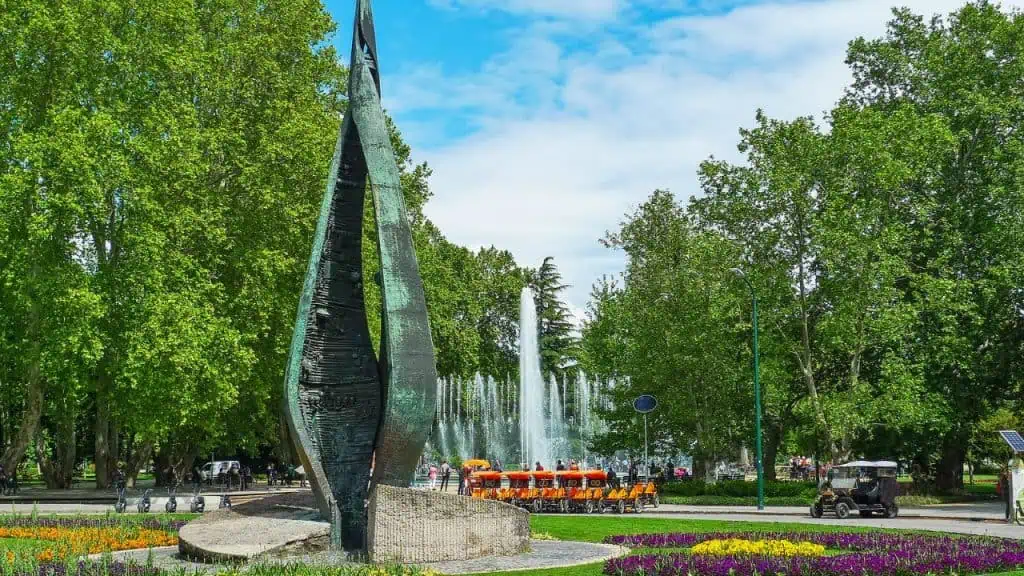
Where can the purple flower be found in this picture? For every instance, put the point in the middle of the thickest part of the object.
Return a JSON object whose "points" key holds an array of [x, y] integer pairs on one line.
{"points": [[881, 554]]}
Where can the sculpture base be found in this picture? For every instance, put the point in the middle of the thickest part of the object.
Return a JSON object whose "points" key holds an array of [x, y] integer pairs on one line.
{"points": [[419, 526], [405, 526]]}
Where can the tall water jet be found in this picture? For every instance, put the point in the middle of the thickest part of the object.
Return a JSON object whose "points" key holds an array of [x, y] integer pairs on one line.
{"points": [[534, 447]]}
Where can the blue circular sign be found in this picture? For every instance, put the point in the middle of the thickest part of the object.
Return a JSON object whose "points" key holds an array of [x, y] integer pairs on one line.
{"points": [[644, 404]]}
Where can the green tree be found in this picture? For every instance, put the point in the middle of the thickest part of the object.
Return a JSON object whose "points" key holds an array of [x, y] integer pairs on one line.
{"points": [[675, 329], [556, 337], [966, 69], [500, 285]]}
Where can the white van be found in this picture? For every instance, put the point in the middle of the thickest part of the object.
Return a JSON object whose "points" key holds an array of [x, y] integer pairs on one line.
{"points": [[213, 470]]}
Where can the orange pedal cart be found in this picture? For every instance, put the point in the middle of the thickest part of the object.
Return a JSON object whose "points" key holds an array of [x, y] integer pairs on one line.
{"points": [[597, 482], [544, 485], [575, 493], [522, 494], [485, 485]]}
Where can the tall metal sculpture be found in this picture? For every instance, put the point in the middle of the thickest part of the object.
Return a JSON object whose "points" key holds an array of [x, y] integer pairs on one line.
{"points": [[345, 408]]}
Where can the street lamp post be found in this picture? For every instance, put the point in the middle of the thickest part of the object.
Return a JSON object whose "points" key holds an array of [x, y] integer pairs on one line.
{"points": [[757, 396]]}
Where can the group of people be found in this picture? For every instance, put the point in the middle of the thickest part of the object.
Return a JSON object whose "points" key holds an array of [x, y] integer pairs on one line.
{"points": [[444, 472], [800, 467]]}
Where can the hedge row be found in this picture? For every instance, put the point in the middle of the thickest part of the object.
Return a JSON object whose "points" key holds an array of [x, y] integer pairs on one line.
{"points": [[740, 488]]}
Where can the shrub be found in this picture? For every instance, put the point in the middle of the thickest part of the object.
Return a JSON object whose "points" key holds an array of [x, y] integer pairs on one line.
{"points": [[740, 489]]}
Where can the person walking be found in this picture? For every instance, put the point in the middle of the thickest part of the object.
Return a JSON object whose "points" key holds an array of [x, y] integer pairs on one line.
{"points": [[446, 473], [1003, 488]]}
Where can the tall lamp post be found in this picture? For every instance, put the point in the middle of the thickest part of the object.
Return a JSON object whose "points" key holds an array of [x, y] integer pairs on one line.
{"points": [[757, 395]]}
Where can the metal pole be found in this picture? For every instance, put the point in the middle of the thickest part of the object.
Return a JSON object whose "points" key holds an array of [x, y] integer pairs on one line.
{"points": [[647, 465], [757, 409]]}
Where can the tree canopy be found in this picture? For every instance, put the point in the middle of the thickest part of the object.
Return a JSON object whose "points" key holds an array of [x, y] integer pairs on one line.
{"points": [[161, 168], [885, 251]]}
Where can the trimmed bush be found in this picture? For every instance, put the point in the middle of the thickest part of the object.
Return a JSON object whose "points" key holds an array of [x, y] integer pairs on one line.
{"points": [[740, 489]]}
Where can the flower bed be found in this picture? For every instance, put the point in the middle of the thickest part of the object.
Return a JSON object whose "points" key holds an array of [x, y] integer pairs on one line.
{"points": [[739, 547], [69, 538], [77, 569], [859, 554]]}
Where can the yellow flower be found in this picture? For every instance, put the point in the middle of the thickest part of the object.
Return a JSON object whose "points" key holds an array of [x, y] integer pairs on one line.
{"points": [[737, 547]]}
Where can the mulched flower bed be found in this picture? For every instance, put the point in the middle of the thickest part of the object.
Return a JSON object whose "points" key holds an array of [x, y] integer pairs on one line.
{"points": [[859, 554]]}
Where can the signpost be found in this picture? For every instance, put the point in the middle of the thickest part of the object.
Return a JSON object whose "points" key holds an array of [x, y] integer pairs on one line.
{"points": [[1016, 466], [644, 405]]}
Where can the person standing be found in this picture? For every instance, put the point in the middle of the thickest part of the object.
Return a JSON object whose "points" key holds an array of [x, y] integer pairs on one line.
{"points": [[1003, 487], [446, 472], [559, 466], [539, 468], [432, 475]]}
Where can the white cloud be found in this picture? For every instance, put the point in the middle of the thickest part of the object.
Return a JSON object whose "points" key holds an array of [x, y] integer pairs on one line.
{"points": [[586, 9], [605, 128]]}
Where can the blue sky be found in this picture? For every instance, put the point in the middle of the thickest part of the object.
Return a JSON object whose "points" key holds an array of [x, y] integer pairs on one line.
{"points": [[545, 121]]}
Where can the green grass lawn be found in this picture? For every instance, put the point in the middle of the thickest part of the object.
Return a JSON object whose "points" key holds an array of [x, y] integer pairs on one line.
{"points": [[596, 529]]}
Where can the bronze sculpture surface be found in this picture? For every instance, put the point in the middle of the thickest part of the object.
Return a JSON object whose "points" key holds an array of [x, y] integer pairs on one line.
{"points": [[347, 409]]}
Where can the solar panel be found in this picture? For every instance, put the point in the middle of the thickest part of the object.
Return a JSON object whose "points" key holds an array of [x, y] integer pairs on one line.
{"points": [[1014, 439]]}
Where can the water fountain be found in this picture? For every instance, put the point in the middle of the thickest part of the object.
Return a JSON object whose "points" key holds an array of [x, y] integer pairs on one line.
{"points": [[534, 419]]}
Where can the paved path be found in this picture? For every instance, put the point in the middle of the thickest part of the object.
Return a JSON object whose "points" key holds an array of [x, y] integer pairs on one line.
{"points": [[977, 511], [543, 554]]}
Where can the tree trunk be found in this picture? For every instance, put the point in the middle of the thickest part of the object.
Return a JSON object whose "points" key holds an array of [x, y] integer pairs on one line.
{"points": [[30, 416], [950, 474], [102, 431], [161, 462], [114, 443], [285, 448], [700, 469], [139, 459], [771, 450]]}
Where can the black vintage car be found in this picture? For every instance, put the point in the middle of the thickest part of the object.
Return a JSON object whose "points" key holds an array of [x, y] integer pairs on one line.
{"points": [[865, 487]]}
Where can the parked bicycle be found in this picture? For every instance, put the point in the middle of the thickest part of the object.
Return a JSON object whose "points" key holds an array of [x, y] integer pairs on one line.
{"points": [[198, 503], [144, 502], [172, 499], [122, 500]]}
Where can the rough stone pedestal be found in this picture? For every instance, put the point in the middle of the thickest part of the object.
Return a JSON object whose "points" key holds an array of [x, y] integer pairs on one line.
{"points": [[419, 526]]}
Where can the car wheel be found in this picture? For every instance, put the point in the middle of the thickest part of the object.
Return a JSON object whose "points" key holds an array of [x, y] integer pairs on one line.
{"points": [[119, 507], [537, 505], [657, 500], [892, 512], [816, 511], [842, 510], [589, 507], [621, 506], [638, 506], [563, 506], [171, 506]]}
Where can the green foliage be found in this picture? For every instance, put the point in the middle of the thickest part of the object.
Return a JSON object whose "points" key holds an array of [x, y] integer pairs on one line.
{"points": [[885, 252], [738, 500], [554, 321], [161, 170], [739, 489]]}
